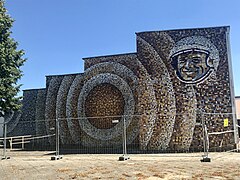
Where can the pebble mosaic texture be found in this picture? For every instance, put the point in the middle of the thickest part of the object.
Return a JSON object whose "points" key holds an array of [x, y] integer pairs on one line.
{"points": [[96, 106], [162, 93]]}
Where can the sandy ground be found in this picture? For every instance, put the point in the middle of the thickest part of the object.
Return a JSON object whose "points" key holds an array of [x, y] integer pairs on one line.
{"points": [[150, 167]]}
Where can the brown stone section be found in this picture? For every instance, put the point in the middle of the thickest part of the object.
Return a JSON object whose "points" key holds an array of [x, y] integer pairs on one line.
{"points": [[104, 100]]}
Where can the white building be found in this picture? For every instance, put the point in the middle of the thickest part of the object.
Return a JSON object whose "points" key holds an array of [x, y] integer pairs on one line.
{"points": [[237, 101]]}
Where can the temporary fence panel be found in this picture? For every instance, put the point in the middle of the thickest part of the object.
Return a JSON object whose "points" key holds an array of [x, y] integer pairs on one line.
{"points": [[92, 135], [221, 130], [139, 134], [123, 135], [26, 140]]}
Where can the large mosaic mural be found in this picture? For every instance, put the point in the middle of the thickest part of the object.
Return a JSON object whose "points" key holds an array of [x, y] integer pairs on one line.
{"points": [[176, 80]]}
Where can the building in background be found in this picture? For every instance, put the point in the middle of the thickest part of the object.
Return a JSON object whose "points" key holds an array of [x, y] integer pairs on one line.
{"points": [[237, 101]]}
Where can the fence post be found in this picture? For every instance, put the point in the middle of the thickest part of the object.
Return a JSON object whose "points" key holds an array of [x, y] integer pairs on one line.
{"points": [[22, 142], [10, 143], [124, 137], [57, 137], [57, 156], [5, 141], [205, 156]]}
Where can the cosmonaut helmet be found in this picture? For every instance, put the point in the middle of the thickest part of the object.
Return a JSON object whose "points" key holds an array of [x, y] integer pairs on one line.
{"points": [[196, 44]]}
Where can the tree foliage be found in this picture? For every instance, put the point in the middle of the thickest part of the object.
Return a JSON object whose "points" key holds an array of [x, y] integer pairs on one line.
{"points": [[11, 60]]}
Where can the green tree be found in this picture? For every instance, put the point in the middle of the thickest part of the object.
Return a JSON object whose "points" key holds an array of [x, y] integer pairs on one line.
{"points": [[11, 60]]}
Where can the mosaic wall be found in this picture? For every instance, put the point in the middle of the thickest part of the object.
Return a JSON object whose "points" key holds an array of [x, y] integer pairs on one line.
{"points": [[163, 92], [198, 66]]}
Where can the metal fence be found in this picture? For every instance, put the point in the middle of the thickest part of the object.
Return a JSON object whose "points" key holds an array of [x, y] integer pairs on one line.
{"points": [[23, 140], [124, 135]]}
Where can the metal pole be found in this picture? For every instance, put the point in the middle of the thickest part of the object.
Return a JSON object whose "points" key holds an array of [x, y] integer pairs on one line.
{"points": [[205, 141], [57, 156], [203, 131], [57, 138], [124, 137], [5, 140]]}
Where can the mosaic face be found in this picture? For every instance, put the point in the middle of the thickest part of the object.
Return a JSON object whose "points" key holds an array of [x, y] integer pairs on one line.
{"points": [[191, 65], [194, 58]]}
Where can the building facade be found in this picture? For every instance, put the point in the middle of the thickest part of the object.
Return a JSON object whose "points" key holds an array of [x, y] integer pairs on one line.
{"points": [[175, 82]]}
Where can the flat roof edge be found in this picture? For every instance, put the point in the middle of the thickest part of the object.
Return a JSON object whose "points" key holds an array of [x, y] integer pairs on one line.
{"points": [[107, 56]]}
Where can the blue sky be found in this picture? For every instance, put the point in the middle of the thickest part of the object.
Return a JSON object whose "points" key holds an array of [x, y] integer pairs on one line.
{"points": [[57, 34]]}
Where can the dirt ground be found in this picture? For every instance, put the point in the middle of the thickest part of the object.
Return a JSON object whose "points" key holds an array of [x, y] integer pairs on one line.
{"points": [[151, 167]]}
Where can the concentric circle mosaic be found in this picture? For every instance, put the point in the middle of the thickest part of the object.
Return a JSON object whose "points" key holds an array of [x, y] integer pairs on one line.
{"points": [[105, 134]]}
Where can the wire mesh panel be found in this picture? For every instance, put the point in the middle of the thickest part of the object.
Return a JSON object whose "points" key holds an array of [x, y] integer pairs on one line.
{"points": [[91, 135], [25, 140], [127, 134], [163, 136], [135, 134], [222, 131]]}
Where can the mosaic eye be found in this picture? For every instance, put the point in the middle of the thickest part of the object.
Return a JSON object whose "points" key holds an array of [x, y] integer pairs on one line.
{"points": [[196, 60]]}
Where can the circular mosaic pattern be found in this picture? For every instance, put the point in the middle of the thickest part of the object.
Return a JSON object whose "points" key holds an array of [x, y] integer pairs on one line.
{"points": [[61, 108], [105, 101], [105, 134], [165, 98], [135, 75], [113, 68], [50, 110], [71, 108]]}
